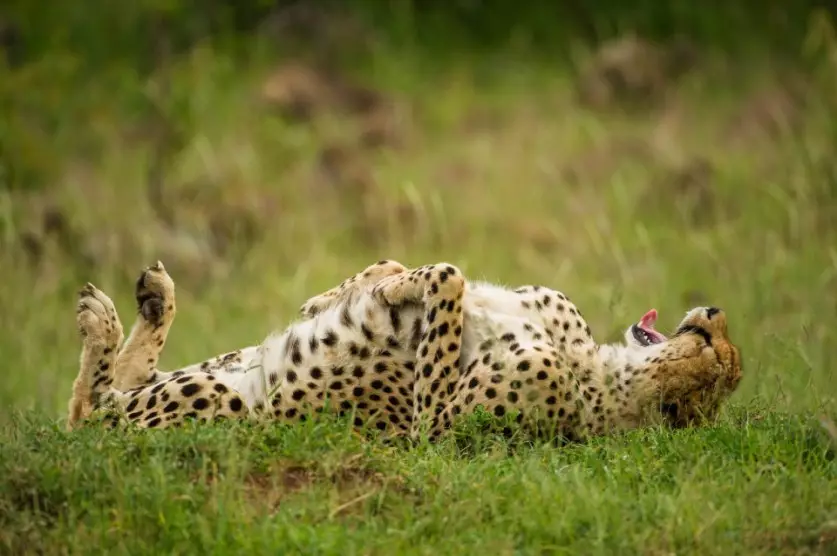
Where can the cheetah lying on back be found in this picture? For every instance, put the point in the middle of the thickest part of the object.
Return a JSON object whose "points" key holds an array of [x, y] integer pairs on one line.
{"points": [[406, 351]]}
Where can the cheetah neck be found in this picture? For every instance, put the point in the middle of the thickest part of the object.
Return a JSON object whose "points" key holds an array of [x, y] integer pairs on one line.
{"points": [[629, 382]]}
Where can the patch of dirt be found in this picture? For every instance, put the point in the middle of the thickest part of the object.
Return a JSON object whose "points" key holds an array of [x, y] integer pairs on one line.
{"points": [[345, 175], [688, 187], [630, 70], [599, 163], [822, 540], [349, 479], [301, 92], [768, 113], [333, 29]]}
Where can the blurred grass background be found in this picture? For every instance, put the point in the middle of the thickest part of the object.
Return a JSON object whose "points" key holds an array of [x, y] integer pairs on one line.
{"points": [[632, 154]]}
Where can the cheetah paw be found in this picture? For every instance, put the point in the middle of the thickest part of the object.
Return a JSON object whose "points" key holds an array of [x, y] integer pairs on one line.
{"points": [[96, 317], [155, 294], [398, 289], [353, 286]]}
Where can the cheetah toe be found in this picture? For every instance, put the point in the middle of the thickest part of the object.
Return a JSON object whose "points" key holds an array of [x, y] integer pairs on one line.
{"points": [[96, 315], [155, 293], [396, 290]]}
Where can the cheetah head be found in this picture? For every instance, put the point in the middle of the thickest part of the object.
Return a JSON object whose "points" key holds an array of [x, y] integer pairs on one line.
{"points": [[692, 371]]}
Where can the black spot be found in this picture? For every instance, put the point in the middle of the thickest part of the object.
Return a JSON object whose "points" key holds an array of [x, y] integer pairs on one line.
{"points": [[200, 403], [427, 370], [512, 396], [291, 377], [431, 315], [316, 373], [346, 317], [330, 338], [395, 319], [153, 423], [366, 332], [152, 401], [380, 367], [490, 393], [377, 384], [542, 375], [298, 394], [523, 366], [358, 372], [131, 405], [191, 389]]}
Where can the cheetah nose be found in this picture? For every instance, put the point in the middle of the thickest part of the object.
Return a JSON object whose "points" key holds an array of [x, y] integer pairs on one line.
{"points": [[711, 312]]}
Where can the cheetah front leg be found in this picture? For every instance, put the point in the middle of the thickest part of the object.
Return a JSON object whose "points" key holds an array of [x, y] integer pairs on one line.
{"points": [[351, 287], [137, 360], [101, 333], [440, 287]]}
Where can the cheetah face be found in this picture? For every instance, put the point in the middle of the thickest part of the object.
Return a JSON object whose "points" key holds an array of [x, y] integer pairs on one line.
{"points": [[698, 367]]}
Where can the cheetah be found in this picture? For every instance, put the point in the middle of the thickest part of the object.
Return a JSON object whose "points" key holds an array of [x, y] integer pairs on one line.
{"points": [[407, 351]]}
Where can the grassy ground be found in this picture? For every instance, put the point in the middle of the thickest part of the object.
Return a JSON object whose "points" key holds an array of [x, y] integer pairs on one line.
{"points": [[723, 192]]}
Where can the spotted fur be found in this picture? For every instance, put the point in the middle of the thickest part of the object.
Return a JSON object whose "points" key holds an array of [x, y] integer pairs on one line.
{"points": [[406, 352]]}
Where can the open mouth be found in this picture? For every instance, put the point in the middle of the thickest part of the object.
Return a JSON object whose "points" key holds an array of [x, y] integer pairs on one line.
{"points": [[643, 331]]}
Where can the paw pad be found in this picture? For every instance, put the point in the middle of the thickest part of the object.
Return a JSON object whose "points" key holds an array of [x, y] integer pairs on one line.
{"points": [[154, 293]]}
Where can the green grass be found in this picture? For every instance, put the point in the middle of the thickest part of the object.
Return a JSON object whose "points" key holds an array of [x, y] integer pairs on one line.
{"points": [[755, 484], [499, 170]]}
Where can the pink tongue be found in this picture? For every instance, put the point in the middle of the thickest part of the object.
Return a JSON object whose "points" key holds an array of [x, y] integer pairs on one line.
{"points": [[647, 324]]}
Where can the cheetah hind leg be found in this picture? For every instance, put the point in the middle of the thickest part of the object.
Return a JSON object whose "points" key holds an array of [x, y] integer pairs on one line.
{"points": [[101, 334], [136, 363], [351, 286], [441, 288]]}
